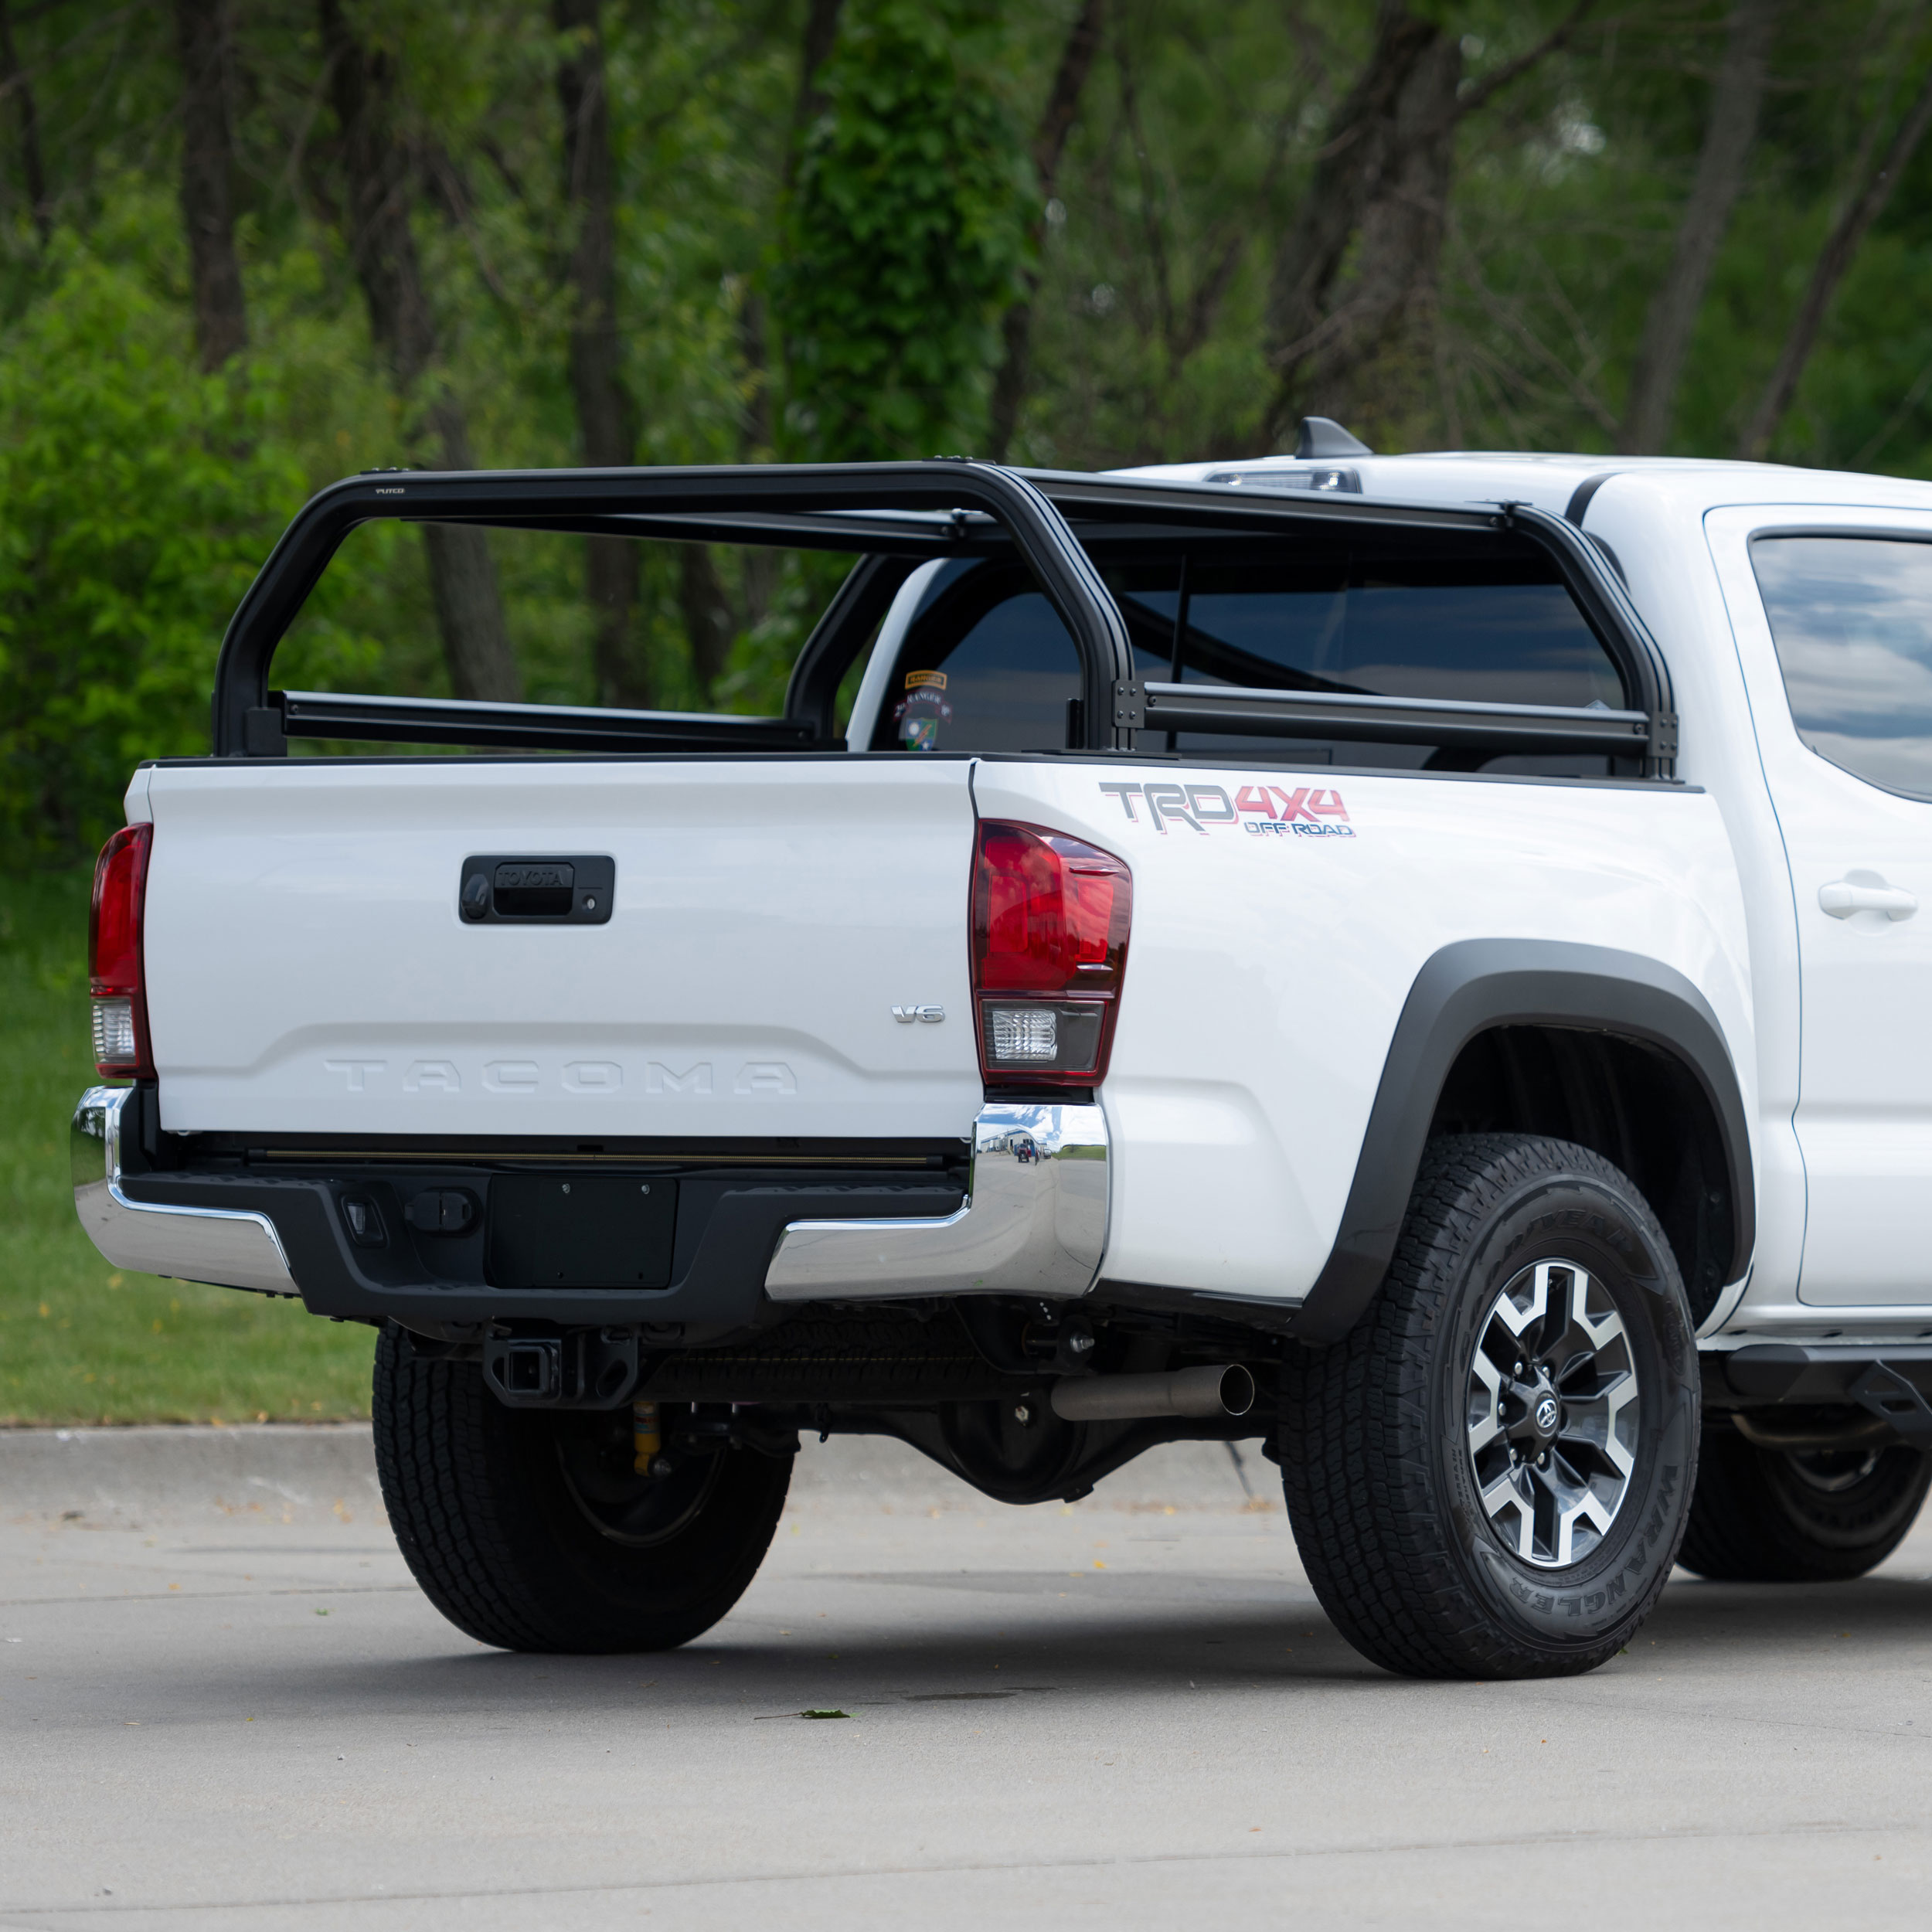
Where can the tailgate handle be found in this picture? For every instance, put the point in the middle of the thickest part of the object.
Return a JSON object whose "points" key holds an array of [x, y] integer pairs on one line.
{"points": [[516, 890], [535, 891]]}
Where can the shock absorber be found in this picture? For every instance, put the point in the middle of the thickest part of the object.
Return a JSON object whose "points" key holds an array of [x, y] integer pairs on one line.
{"points": [[646, 1441]]}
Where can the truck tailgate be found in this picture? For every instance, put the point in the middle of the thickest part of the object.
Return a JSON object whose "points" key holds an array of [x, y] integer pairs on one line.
{"points": [[309, 970]]}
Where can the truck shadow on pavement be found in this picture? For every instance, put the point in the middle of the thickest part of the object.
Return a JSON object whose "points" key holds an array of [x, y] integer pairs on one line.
{"points": [[1117, 1641], [1757, 1618]]}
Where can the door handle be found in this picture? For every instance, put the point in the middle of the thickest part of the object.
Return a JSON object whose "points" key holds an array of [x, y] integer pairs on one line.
{"points": [[1842, 899]]}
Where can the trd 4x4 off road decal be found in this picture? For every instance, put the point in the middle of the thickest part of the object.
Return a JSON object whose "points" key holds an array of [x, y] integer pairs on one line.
{"points": [[1308, 812]]}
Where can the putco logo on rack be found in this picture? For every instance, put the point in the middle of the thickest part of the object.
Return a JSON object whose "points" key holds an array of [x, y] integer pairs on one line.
{"points": [[1308, 812]]}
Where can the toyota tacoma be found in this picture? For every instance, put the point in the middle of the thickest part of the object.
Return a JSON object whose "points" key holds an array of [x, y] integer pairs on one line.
{"points": [[1411, 960]]}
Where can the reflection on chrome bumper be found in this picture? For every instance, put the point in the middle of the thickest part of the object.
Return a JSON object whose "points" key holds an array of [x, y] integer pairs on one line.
{"points": [[225, 1246], [1034, 1222]]}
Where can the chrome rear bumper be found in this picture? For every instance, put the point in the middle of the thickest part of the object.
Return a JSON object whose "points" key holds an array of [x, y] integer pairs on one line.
{"points": [[1034, 1222], [230, 1247]]}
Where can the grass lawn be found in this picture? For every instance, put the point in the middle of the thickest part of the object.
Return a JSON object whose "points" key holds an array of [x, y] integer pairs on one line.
{"points": [[80, 1342]]}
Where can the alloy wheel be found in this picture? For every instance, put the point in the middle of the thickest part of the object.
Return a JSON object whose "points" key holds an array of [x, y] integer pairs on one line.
{"points": [[1551, 1414]]}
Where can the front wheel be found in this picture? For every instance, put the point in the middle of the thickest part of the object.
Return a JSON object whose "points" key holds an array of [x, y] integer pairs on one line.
{"points": [[1488, 1475], [1769, 1515], [531, 1530]]}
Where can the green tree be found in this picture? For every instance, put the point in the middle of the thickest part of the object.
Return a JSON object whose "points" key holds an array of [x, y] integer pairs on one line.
{"points": [[140, 501], [904, 238]]}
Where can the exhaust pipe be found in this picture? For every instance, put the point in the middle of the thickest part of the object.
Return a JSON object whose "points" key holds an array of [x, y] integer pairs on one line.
{"points": [[1228, 1390]]}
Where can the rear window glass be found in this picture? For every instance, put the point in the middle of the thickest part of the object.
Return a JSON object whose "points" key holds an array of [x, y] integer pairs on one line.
{"points": [[986, 663], [986, 666], [1852, 617], [1485, 633]]}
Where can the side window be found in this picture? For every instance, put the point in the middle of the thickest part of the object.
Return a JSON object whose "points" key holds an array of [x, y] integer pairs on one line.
{"points": [[1852, 617], [986, 666]]}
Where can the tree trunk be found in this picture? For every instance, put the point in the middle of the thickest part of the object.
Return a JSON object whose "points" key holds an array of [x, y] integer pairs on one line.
{"points": [[759, 568], [1735, 97], [207, 162], [1340, 345], [1049, 144], [822, 36], [607, 416], [1833, 260], [708, 619], [1385, 174], [1380, 365], [14, 82], [376, 224], [1308, 335]]}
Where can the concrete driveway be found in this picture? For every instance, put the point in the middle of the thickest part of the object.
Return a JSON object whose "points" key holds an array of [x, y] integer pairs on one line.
{"points": [[226, 1705]]}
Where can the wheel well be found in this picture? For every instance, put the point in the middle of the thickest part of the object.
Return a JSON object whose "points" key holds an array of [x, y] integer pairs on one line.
{"points": [[1633, 1103]]}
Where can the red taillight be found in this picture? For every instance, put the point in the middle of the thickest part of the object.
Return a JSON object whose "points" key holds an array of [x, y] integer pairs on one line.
{"points": [[1050, 917], [114, 956]]}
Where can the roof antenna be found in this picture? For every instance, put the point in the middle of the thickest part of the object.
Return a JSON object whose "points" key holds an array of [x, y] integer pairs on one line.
{"points": [[1322, 437]]}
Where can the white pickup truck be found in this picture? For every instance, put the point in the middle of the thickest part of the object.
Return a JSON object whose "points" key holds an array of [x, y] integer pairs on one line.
{"points": [[1415, 960]]}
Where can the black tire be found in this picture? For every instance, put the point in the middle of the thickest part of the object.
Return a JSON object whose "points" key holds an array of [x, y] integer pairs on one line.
{"points": [[529, 1528], [1789, 1516], [1379, 1444]]}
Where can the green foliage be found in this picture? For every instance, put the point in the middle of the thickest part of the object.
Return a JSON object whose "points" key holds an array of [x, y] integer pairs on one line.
{"points": [[1569, 191], [867, 256], [904, 239], [1196, 132], [140, 501]]}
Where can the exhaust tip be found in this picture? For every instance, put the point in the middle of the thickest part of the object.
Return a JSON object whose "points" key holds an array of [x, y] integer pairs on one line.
{"points": [[1226, 1389], [1237, 1390]]}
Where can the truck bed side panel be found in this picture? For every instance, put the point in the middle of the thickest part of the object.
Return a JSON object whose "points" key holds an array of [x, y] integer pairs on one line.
{"points": [[1273, 950]]}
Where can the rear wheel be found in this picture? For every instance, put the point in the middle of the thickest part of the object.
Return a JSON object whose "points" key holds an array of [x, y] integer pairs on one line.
{"points": [[1487, 1476], [1764, 1515], [531, 1529]]}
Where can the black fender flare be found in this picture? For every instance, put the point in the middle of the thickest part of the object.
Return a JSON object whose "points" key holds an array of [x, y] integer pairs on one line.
{"points": [[1464, 990]]}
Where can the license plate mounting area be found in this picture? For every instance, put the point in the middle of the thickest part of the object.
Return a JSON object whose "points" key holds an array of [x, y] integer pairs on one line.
{"points": [[580, 1231]]}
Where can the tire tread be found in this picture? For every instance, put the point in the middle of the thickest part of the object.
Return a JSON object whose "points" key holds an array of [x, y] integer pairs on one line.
{"points": [[432, 1460], [1739, 1533]]}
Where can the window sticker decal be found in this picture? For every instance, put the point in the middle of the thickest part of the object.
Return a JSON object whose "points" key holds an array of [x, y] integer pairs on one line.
{"points": [[922, 710], [1266, 811]]}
